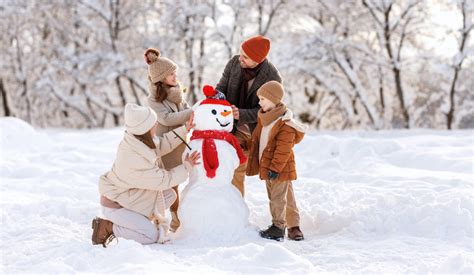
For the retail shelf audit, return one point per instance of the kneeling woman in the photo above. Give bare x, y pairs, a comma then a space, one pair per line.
137, 190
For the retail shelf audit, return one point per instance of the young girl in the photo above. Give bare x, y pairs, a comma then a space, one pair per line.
136, 190
166, 99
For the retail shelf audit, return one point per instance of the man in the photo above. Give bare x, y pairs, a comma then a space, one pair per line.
242, 77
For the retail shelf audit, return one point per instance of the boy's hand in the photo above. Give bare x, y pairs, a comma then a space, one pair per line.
272, 175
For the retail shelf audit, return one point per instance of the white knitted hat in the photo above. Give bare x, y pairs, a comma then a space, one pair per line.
138, 119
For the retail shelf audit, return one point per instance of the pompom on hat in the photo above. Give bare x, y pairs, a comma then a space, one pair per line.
138, 119
158, 67
213, 96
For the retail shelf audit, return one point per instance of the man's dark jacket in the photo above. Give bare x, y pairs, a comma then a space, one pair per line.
230, 82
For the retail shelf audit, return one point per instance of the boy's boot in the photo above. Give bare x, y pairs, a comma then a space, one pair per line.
295, 234
273, 233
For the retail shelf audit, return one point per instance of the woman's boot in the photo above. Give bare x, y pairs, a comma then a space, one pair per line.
102, 232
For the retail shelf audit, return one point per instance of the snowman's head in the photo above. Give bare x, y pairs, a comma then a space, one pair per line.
214, 112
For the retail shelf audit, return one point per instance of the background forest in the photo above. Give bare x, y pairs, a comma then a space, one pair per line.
346, 64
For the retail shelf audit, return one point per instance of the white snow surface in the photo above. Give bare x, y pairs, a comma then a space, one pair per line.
370, 202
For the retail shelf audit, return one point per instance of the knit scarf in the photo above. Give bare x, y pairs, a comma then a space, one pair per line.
271, 115
175, 94
209, 151
247, 75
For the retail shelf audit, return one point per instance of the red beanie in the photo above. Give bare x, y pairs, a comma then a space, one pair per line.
256, 48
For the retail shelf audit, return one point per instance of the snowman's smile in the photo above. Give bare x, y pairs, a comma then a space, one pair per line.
222, 125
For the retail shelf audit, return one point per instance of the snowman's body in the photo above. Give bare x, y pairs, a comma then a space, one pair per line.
211, 207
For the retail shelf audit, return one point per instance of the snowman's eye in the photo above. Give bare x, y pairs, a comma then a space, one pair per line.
214, 112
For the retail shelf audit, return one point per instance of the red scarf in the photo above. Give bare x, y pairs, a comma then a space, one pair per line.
209, 152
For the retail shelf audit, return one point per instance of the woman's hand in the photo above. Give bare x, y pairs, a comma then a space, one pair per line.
190, 123
193, 158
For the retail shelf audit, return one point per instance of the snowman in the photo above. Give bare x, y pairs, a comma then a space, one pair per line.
211, 207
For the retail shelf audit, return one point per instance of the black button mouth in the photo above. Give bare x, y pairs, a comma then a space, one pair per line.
222, 125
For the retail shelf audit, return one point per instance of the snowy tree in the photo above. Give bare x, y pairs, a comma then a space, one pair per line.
466, 8
227, 31
368, 64
331, 55
395, 23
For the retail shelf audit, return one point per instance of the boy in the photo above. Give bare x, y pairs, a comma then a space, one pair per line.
271, 156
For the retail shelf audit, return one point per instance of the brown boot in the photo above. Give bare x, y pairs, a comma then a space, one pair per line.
175, 223
295, 234
102, 232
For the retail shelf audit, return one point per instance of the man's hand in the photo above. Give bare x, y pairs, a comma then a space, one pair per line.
235, 112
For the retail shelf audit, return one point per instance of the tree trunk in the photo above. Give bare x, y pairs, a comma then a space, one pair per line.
395, 69
464, 35
399, 89
122, 98
6, 106
104, 119
134, 91
25, 95
192, 86
452, 90
114, 115
188, 48
260, 17
24, 83
200, 67
382, 100
263, 30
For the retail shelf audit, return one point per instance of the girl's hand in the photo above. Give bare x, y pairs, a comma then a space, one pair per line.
193, 158
190, 123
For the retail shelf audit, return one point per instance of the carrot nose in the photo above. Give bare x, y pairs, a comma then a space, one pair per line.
226, 113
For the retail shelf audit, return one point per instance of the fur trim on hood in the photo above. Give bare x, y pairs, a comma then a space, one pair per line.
290, 121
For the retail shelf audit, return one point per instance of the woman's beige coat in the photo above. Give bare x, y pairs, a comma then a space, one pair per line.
136, 175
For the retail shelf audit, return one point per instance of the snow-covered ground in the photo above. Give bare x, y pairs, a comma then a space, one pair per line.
390, 201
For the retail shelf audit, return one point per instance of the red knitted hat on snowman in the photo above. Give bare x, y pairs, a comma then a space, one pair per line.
213, 96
